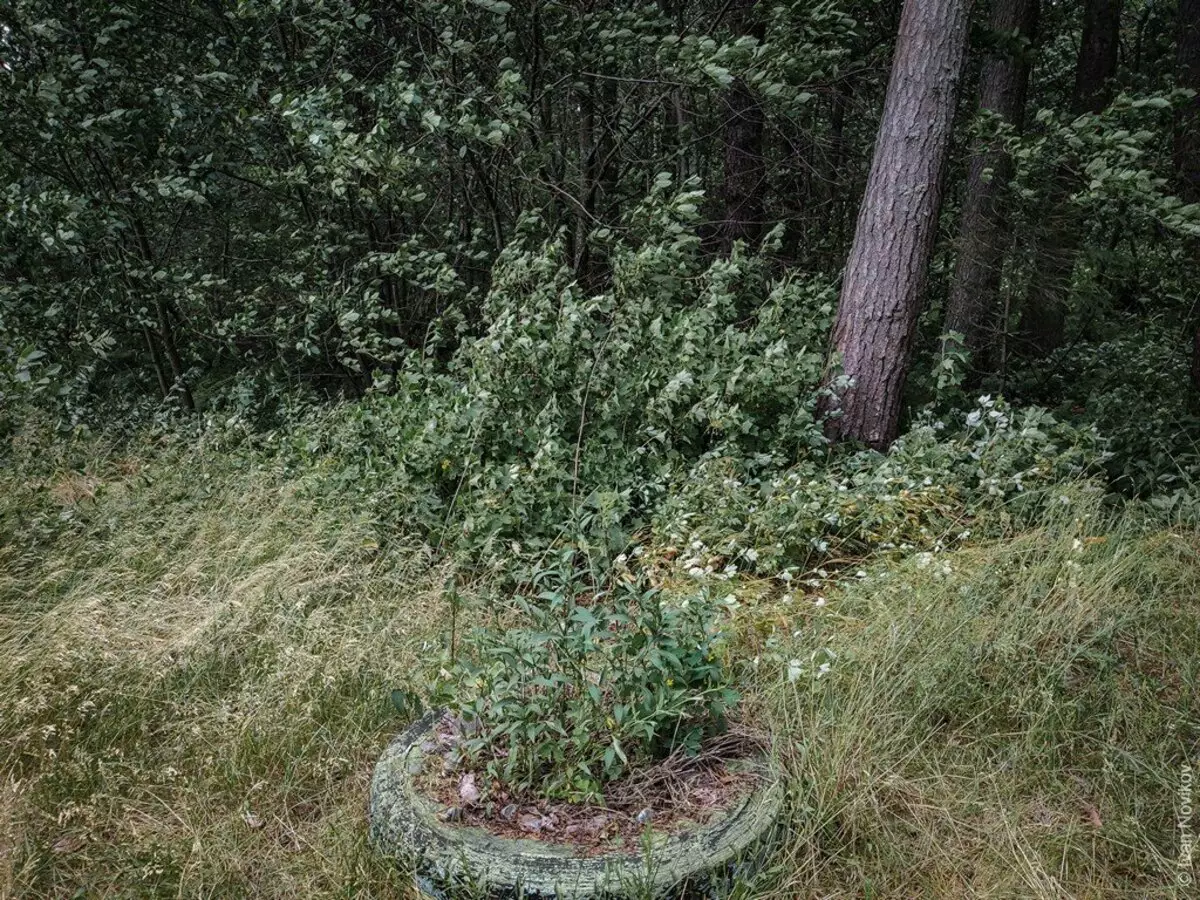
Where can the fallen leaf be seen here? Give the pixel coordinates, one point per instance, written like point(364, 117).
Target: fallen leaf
point(69, 843)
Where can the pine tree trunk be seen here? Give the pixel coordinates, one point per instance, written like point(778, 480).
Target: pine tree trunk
point(745, 166)
point(984, 232)
point(893, 240)
point(1043, 321)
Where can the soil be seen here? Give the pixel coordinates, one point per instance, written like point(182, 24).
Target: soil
point(670, 796)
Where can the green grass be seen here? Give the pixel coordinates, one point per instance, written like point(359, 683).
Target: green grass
point(1014, 727)
point(196, 676)
point(196, 658)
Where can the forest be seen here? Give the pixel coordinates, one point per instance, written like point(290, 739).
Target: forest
point(657, 391)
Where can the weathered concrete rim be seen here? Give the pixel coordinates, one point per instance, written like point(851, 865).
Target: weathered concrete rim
point(447, 858)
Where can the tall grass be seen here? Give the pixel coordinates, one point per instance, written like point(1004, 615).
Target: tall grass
point(1005, 721)
point(196, 658)
point(195, 674)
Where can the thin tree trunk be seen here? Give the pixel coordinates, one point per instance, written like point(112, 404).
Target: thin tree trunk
point(897, 223)
point(1043, 320)
point(839, 155)
point(168, 339)
point(1099, 51)
point(1187, 137)
point(583, 215)
point(165, 332)
point(745, 166)
point(164, 384)
point(984, 232)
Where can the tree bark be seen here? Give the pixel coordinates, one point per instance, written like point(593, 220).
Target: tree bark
point(1099, 49)
point(893, 240)
point(745, 167)
point(164, 384)
point(1044, 318)
point(165, 332)
point(984, 231)
point(1187, 138)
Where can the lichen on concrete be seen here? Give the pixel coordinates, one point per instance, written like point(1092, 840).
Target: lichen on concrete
point(404, 824)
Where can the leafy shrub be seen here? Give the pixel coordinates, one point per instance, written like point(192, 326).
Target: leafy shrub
point(587, 679)
point(754, 514)
point(574, 412)
point(1132, 387)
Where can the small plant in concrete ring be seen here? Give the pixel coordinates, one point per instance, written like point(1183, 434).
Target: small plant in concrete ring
point(582, 679)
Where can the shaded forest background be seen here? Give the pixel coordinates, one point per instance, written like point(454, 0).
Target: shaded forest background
point(247, 209)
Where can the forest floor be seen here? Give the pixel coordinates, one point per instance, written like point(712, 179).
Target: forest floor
point(196, 661)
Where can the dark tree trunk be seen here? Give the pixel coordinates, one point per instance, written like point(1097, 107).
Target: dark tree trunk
point(1187, 137)
point(165, 332)
point(839, 155)
point(1196, 358)
point(164, 383)
point(168, 338)
point(1043, 321)
point(1098, 55)
point(745, 166)
point(984, 232)
point(886, 273)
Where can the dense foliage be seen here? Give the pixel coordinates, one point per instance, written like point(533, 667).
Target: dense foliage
point(222, 205)
point(548, 289)
point(594, 677)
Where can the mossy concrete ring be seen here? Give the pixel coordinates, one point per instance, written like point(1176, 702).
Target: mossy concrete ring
point(451, 860)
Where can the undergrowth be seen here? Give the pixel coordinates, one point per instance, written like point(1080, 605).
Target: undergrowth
point(1009, 720)
point(197, 651)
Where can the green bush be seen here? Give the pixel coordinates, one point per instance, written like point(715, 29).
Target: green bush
point(1132, 386)
point(587, 679)
point(755, 514)
point(563, 411)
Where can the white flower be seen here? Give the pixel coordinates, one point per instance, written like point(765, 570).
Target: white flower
point(820, 601)
point(974, 418)
point(823, 669)
point(794, 669)
point(785, 576)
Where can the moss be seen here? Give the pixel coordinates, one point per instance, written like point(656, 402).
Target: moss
point(452, 860)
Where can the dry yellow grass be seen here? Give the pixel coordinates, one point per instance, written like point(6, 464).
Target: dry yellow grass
point(196, 682)
point(196, 658)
